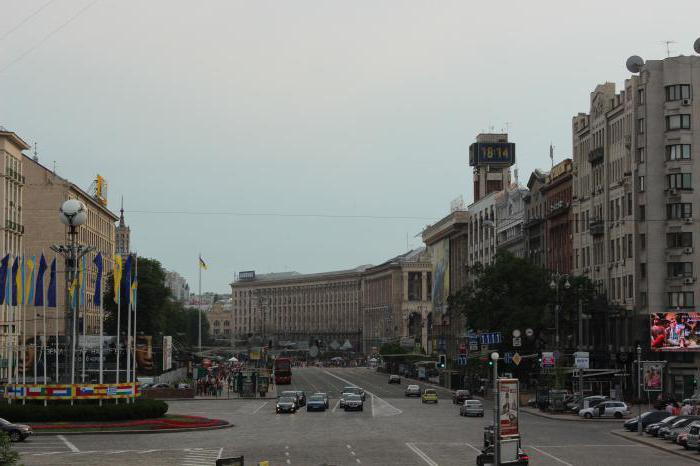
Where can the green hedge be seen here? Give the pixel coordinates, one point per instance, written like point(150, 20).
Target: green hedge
point(109, 411)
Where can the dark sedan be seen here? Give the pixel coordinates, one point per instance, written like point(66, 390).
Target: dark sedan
point(460, 396)
point(653, 428)
point(16, 432)
point(286, 404)
point(316, 403)
point(649, 417)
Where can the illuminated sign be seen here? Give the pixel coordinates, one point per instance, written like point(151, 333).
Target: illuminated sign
point(492, 153)
point(246, 276)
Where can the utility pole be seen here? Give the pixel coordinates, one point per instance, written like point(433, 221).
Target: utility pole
point(496, 423)
point(639, 389)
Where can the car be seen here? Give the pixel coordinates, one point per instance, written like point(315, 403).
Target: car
point(160, 385)
point(412, 390)
point(587, 402)
point(429, 396)
point(145, 386)
point(672, 431)
point(616, 409)
point(353, 402)
point(325, 398)
point(16, 432)
point(316, 403)
point(649, 417)
point(459, 396)
point(286, 404)
point(393, 378)
point(292, 394)
point(472, 408)
point(183, 386)
point(352, 390)
point(302, 397)
point(653, 429)
point(693, 439)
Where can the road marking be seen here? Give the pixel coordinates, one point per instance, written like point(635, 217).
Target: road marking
point(221, 451)
point(385, 408)
point(349, 447)
point(636, 445)
point(421, 454)
point(289, 462)
point(551, 456)
point(473, 447)
point(260, 407)
point(70, 446)
point(353, 453)
point(358, 460)
point(337, 403)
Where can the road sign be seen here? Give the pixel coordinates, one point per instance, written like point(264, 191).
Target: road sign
point(517, 358)
point(462, 348)
point(581, 360)
point(517, 342)
point(462, 360)
point(529, 332)
point(508, 357)
point(548, 359)
point(473, 344)
point(492, 338)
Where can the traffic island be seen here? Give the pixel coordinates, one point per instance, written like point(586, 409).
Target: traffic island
point(659, 444)
point(165, 424)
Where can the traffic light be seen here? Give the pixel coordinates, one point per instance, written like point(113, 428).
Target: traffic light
point(490, 363)
point(442, 360)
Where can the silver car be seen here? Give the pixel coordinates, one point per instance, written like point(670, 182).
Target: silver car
point(471, 408)
point(412, 390)
point(693, 441)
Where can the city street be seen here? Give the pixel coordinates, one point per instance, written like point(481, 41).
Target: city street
point(392, 430)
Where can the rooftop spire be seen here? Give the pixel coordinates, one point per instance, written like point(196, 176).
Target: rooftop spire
point(121, 214)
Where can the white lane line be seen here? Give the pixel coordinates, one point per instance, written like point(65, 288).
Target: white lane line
point(551, 456)
point(289, 462)
point(473, 447)
point(286, 453)
point(70, 446)
point(260, 407)
point(387, 409)
point(353, 453)
point(421, 454)
point(337, 403)
point(221, 451)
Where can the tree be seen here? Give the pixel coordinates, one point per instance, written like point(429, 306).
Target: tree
point(7, 455)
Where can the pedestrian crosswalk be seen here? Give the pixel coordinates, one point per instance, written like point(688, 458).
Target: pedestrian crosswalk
point(201, 457)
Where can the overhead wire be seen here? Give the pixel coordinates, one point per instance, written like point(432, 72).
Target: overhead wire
point(26, 20)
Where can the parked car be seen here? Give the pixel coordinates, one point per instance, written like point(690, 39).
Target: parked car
point(325, 398)
point(693, 439)
point(393, 378)
point(649, 417)
point(412, 390)
point(653, 429)
point(670, 432)
point(316, 403)
point(353, 402)
point(429, 396)
point(183, 386)
point(616, 409)
point(160, 385)
point(459, 396)
point(682, 429)
point(16, 432)
point(286, 404)
point(588, 402)
point(472, 408)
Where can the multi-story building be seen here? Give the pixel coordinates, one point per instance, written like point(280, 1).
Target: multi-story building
point(557, 198)
point(533, 223)
point(220, 318)
point(396, 301)
point(510, 218)
point(43, 195)
point(634, 168)
point(122, 235)
point(301, 308)
point(11, 220)
point(177, 284)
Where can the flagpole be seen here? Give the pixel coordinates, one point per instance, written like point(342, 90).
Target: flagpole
point(133, 304)
point(56, 325)
point(83, 304)
point(199, 303)
point(43, 348)
point(101, 331)
point(128, 322)
point(119, 337)
point(24, 331)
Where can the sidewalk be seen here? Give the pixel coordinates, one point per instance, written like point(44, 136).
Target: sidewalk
point(659, 444)
point(565, 417)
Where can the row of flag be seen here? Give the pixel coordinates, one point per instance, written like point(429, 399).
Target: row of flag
point(23, 282)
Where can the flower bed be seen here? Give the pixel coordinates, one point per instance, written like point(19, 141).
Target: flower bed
point(164, 423)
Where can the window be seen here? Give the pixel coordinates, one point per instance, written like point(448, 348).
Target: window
point(674, 122)
point(612, 249)
point(629, 203)
point(679, 210)
point(630, 286)
point(640, 184)
point(642, 213)
point(677, 92)
point(576, 223)
point(641, 126)
point(640, 96)
point(678, 152)
point(643, 298)
point(680, 269)
point(680, 299)
point(629, 246)
point(643, 269)
point(679, 240)
point(640, 155)
point(618, 249)
point(679, 181)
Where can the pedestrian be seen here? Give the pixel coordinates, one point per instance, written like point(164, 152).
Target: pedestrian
point(686, 410)
point(669, 408)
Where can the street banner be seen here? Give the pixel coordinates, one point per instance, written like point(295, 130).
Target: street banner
point(508, 406)
point(652, 373)
point(675, 331)
point(72, 392)
point(548, 359)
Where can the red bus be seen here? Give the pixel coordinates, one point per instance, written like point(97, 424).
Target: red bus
point(283, 371)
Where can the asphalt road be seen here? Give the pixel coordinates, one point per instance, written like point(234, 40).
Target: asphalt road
point(392, 430)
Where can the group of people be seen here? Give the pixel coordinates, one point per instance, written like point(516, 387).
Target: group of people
point(675, 409)
point(210, 386)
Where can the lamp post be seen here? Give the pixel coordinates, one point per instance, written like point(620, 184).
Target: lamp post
point(554, 285)
point(496, 423)
point(72, 213)
point(639, 389)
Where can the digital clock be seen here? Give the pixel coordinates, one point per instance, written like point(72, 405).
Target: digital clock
point(492, 153)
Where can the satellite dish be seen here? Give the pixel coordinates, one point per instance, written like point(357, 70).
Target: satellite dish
point(634, 63)
point(696, 45)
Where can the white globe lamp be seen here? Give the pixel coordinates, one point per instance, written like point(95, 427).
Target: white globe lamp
point(73, 213)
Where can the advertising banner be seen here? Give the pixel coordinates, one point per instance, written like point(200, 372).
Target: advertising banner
point(508, 406)
point(652, 376)
point(675, 331)
point(167, 353)
point(72, 392)
point(440, 254)
point(548, 359)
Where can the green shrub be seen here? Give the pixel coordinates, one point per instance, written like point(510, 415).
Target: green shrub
point(8, 457)
point(109, 411)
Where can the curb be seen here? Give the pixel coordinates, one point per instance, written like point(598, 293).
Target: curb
point(660, 447)
point(568, 419)
point(215, 399)
point(118, 432)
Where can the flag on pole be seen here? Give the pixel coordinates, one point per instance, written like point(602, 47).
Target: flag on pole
point(39, 288)
point(83, 280)
point(97, 299)
point(117, 273)
point(16, 279)
point(202, 264)
point(29, 281)
point(8, 283)
point(128, 265)
point(72, 291)
point(20, 280)
point(51, 295)
point(3, 278)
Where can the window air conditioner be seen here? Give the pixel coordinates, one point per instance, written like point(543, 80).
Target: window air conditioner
point(685, 102)
point(689, 280)
point(688, 220)
point(688, 250)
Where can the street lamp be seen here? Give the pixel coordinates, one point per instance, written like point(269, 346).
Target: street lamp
point(639, 389)
point(554, 285)
point(496, 424)
point(72, 213)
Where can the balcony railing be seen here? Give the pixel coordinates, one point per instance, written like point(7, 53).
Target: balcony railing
point(597, 227)
point(596, 155)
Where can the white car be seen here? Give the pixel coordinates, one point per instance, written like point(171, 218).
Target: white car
point(412, 390)
point(616, 409)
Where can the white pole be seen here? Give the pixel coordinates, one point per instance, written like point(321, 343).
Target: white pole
point(82, 297)
point(43, 347)
point(36, 351)
point(128, 325)
point(119, 316)
point(133, 304)
point(199, 302)
point(101, 331)
point(24, 337)
point(56, 325)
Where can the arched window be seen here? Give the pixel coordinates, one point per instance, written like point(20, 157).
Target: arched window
point(217, 323)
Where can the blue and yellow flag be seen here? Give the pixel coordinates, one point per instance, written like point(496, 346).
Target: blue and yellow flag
point(16, 280)
point(4, 266)
point(97, 298)
point(51, 292)
point(29, 281)
point(18, 297)
point(39, 287)
point(82, 277)
point(117, 274)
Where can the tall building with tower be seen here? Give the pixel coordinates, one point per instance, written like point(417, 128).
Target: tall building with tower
point(491, 156)
point(122, 234)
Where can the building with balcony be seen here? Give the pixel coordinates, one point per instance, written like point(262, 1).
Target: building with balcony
point(510, 220)
point(557, 203)
point(533, 221)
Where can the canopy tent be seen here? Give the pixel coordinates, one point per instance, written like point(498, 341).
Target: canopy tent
point(233, 359)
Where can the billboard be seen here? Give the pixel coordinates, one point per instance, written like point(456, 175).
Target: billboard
point(508, 406)
point(167, 352)
point(440, 256)
point(492, 153)
point(675, 331)
point(653, 376)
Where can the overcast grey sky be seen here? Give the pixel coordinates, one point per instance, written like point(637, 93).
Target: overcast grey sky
point(357, 108)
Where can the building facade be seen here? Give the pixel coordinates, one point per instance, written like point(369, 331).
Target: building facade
point(510, 220)
point(557, 200)
point(299, 309)
point(396, 301)
point(533, 223)
point(220, 319)
point(177, 284)
point(12, 222)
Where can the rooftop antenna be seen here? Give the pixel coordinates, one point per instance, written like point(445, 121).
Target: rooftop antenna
point(668, 46)
point(36, 156)
point(551, 153)
point(54, 167)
